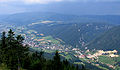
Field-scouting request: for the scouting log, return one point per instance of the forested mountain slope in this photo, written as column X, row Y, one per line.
column 72, row 33
column 108, row 40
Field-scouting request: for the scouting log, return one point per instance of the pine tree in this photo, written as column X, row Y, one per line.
column 56, row 61
column 2, row 48
column 3, row 44
column 12, row 51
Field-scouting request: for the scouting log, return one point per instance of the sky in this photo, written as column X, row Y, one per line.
column 76, row 7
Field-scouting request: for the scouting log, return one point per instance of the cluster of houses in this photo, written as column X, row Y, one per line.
column 107, row 53
column 98, row 53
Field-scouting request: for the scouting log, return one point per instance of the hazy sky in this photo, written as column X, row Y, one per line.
column 77, row 7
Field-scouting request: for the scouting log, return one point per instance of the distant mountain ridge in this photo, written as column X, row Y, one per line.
column 30, row 17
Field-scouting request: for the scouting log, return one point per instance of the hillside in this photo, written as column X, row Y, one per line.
column 107, row 41
column 71, row 33
column 72, row 29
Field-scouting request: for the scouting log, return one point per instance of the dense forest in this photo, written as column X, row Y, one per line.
column 16, row 56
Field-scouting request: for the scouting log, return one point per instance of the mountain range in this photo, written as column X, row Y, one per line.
column 91, row 30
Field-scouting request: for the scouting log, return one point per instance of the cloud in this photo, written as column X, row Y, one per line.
column 33, row 1
column 7, row 0
column 51, row 1
column 41, row 1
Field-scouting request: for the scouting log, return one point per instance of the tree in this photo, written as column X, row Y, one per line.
column 37, row 61
column 12, row 50
column 3, row 44
column 2, row 48
column 22, row 51
column 83, row 67
column 56, row 62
